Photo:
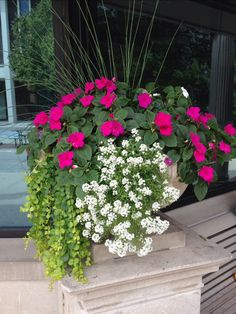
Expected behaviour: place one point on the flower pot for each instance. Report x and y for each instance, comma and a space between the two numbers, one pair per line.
172, 238
175, 181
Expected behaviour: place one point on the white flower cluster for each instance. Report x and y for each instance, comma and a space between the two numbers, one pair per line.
133, 185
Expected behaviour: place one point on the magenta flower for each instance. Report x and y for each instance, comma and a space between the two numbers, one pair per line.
199, 153
193, 113
113, 127
108, 100
168, 161
212, 146
110, 86
65, 159
40, 119
195, 139
77, 91
164, 122
89, 87
101, 83
68, 99
56, 113
76, 139
86, 100
207, 174
205, 118
144, 100
225, 147
230, 130
55, 125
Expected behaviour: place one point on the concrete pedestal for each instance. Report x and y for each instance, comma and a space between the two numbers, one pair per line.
164, 282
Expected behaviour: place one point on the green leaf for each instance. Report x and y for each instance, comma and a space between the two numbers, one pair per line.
140, 118
182, 130
150, 116
72, 128
130, 112
67, 113
121, 114
50, 139
122, 86
87, 129
150, 86
183, 170
150, 137
180, 110
78, 113
200, 190
192, 128
131, 124
121, 101
102, 117
182, 102
187, 153
170, 141
92, 175
174, 156
85, 152
21, 149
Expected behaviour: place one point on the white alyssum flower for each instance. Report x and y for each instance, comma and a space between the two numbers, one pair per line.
119, 208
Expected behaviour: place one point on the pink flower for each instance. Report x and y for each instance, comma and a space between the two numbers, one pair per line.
225, 147
195, 139
40, 119
110, 86
200, 152
193, 113
199, 157
111, 115
76, 139
230, 130
108, 100
101, 83
144, 100
77, 91
164, 122
212, 146
207, 174
168, 161
68, 99
60, 104
86, 100
56, 113
205, 118
89, 86
65, 159
55, 125
113, 127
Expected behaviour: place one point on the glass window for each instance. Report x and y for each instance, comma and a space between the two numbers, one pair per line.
23, 7
3, 103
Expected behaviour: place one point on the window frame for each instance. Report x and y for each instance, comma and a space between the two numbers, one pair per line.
18, 7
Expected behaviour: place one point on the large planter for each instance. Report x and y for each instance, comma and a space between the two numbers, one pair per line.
166, 281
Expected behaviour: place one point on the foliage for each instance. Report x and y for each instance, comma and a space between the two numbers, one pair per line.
32, 51
63, 158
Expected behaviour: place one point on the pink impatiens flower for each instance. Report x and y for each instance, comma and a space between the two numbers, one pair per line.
77, 91
56, 113
113, 127
225, 147
89, 87
110, 86
55, 125
65, 159
108, 100
101, 83
193, 113
40, 119
68, 99
164, 122
206, 173
205, 118
76, 139
230, 130
195, 139
144, 100
86, 100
